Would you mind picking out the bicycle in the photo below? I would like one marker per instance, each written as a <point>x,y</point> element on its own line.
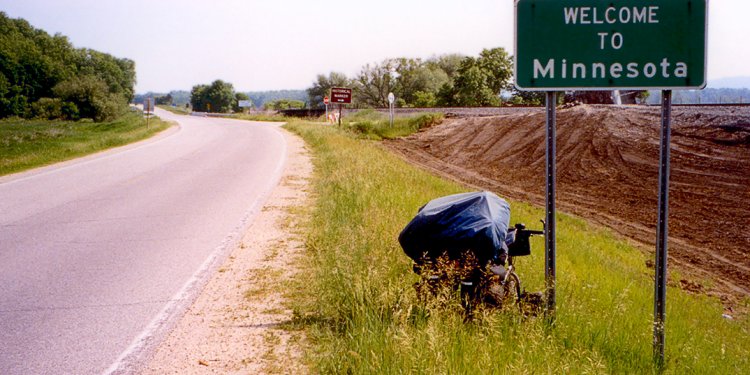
<point>494,284</point>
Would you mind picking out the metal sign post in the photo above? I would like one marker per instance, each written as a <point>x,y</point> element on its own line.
<point>148,108</point>
<point>391,99</point>
<point>325,101</point>
<point>662,229</point>
<point>341,96</point>
<point>550,259</point>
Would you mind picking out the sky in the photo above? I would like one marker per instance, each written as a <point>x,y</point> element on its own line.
<point>284,44</point>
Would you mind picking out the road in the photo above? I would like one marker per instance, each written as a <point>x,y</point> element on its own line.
<point>98,256</point>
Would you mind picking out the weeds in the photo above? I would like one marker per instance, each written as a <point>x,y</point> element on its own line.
<point>370,124</point>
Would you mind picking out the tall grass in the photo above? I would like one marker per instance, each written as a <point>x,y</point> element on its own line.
<point>26,144</point>
<point>360,309</point>
<point>178,110</point>
<point>262,116</point>
<point>370,124</point>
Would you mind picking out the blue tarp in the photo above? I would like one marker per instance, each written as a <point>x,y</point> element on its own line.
<point>474,221</point>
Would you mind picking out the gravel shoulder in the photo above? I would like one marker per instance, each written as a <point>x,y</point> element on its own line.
<point>236,323</point>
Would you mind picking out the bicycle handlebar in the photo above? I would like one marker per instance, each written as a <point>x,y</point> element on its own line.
<point>534,232</point>
<point>528,232</point>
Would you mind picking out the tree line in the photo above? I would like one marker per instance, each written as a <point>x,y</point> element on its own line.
<point>44,76</point>
<point>445,81</point>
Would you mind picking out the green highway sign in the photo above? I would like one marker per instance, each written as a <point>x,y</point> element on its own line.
<point>610,44</point>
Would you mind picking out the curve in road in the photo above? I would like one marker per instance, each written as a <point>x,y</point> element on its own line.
<point>97,256</point>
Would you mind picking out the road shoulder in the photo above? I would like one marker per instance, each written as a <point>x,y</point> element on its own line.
<point>236,323</point>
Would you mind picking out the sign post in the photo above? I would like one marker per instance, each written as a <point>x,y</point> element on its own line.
<point>550,224</point>
<point>341,96</point>
<point>244,104</point>
<point>391,99</point>
<point>325,101</point>
<point>603,45</point>
<point>148,109</point>
<point>660,281</point>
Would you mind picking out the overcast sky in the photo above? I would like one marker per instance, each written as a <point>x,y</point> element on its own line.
<point>284,44</point>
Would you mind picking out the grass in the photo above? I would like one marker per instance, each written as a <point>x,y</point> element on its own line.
<point>370,124</point>
<point>178,110</point>
<point>356,302</point>
<point>269,117</point>
<point>26,144</point>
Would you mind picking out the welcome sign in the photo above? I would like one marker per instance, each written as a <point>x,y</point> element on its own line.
<point>593,44</point>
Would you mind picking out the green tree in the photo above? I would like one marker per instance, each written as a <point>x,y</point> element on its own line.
<point>413,76</point>
<point>164,99</point>
<point>217,97</point>
<point>472,87</point>
<point>425,99</point>
<point>198,99</point>
<point>447,63</point>
<point>479,81</point>
<point>322,87</point>
<point>282,104</point>
<point>91,97</point>
<point>375,82</point>
<point>36,66</point>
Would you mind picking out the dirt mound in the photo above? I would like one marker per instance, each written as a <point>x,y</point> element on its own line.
<point>607,171</point>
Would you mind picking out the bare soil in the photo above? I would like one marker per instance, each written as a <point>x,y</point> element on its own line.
<point>237,323</point>
<point>607,172</point>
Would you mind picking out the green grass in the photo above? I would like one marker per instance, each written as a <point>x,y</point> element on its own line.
<point>370,124</point>
<point>262,117</point>
<point>26,144</point>
<point>357,304</point>
<point>179,110</point>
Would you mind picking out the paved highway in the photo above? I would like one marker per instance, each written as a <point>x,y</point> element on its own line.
<point>97,256</point>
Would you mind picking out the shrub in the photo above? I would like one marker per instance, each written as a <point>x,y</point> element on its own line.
<point>47,108</point>
<point>91,98</point>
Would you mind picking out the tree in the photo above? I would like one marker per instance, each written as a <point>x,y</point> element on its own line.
<point>35,68</point>
<point>375,82</point>
<point>322,87</point>
<point>413,76</point>
<point>91,97</point>
<point>198,99</point>
<point>472,86</point>
<point>282,104</point>
<point>217,97</point>
<point>478,81</point>
<point>447,63</point>
<point>498,66</point>
<point>425,99</point>
<point>164,99</point>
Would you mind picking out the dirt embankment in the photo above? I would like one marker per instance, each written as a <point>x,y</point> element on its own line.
<point>608,169</point>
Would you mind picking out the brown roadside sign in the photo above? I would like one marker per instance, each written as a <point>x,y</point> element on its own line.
<point>341,95</point>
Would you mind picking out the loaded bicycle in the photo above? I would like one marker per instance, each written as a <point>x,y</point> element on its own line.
<point>462,242</point>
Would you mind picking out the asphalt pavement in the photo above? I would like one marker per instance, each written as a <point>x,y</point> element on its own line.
<point>99,256</point>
